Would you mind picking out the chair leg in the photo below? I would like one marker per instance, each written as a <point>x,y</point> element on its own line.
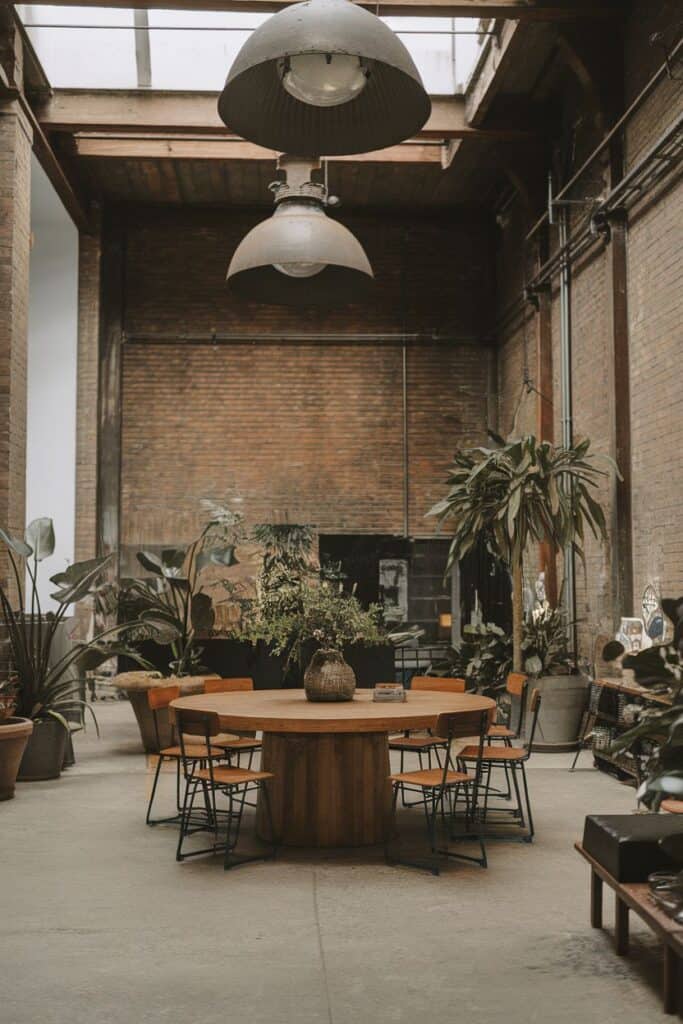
<point>190,791</point>
<point>530,837</point>
<point>432,833</point>
<point>391,826</point>
<point>519,813</point>
<point>148,820</point>
<point>174,817</point>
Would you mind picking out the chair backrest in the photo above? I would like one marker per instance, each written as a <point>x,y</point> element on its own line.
<point>515,685</point>
<point>228,685</point>
<point>439,684</point>
<point>158,698</point>
<point>534,707</point>
<point>463,725</point>
<point>203,724</point>
<point>455,725</point>
<point>197,723</point>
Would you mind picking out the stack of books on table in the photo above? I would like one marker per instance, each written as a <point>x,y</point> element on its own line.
<point>389,692</point>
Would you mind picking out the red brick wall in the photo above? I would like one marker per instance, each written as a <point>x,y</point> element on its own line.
<point>309,430</point>
<point>15,226</point>
<point>655,295</point>
<point>655,316</point>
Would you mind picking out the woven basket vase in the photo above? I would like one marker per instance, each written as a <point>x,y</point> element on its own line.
<point>329,677</point>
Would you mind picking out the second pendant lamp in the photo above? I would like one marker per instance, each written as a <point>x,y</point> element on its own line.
<point>324,77</point>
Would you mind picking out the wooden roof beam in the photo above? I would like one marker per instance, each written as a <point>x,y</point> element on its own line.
<point>195,113</point>
<point>184,147</point>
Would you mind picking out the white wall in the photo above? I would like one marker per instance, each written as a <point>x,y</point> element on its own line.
<point>52,356</point>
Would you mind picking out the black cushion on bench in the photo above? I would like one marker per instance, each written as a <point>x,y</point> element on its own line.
<point>627,845</point>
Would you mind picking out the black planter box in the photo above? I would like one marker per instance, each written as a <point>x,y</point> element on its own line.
<point>230,658</point>
<point>627,845</point>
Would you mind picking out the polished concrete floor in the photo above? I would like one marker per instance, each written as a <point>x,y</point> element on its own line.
<point>100,925</point>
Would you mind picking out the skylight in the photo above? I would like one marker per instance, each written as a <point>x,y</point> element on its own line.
<point>100,48</point>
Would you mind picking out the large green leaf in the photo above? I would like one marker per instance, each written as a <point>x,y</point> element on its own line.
<point>224,556</point>
<point>150,562</point>
<point>40,535</point>
<point>16,544</point>
<point>77,581</point>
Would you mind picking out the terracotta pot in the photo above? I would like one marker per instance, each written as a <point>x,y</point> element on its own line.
<point>137,684</point>
<point>329,677</point>
<point>44,754</point>
<point>14,734</point>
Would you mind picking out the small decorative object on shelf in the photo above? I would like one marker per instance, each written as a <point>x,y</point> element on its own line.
<point>329,677</point>
<point>389,693</point>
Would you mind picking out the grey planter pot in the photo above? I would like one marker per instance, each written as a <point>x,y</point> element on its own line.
<point>44,754</point>
<point>562,704</point>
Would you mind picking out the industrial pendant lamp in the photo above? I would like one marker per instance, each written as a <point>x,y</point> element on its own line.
<point>325,77</point>
<point>299,256</point>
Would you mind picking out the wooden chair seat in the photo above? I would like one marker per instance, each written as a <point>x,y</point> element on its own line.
<point>236,742</point>
<point>415,742</point>
<point>193,751</point>
<point>493,753</point>
<point>230,776</point>
<point>431,778</point>
<point>502,732</point>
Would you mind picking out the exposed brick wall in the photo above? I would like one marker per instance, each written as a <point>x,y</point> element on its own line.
<point>655,316</point>
<point>86,398</point>
<point>655,296</point>
<point>15,226</point>
<point>312,431</point>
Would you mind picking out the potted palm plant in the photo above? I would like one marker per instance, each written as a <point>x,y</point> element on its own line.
<point>46,688</point>
<point>173,610</point>
<point>517,494</point>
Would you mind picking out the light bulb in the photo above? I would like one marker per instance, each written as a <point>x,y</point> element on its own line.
<point>323,79</point>
<point>300,269</point>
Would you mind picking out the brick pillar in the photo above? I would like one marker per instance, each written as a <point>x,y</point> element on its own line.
<point>89,255</point>
<point>87,387</point>
<point>15,226</point>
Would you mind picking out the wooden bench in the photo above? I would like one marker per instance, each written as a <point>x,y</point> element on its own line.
<point>636,896</point>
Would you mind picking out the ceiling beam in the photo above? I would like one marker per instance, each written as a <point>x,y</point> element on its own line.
<point>183,147</point>
<point>195,113</point>
<point>527,10</point>
<point>12,89</point>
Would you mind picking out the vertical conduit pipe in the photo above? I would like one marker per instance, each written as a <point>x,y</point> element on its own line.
<point>406,492</point>
<point>567,410</point>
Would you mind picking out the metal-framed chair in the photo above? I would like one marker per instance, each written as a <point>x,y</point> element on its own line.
<point>234,745</point>
<point>235,783</point>
<point>515,686</point>
<point>514,759</point>
<point>158,698</point>
<point>442,785</point>
<point>425,743</point>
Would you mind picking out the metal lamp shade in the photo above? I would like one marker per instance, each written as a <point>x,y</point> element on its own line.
<point>391,107</point>
<point>300,233</point>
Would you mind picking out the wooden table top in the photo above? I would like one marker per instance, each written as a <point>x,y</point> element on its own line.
<point>289,711</point>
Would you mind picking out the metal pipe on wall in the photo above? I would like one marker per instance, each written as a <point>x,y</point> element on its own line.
<point>567,409</point>
<point>406,490</point>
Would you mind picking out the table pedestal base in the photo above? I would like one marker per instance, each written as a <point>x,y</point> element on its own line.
<point>330,789</point>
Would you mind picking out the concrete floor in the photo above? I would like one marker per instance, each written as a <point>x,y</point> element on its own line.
<point>100,925</point>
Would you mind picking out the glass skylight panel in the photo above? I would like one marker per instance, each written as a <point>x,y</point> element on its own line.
<point>193,50</point>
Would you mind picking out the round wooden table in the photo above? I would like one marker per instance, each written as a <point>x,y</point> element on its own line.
<point>330,761</point>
